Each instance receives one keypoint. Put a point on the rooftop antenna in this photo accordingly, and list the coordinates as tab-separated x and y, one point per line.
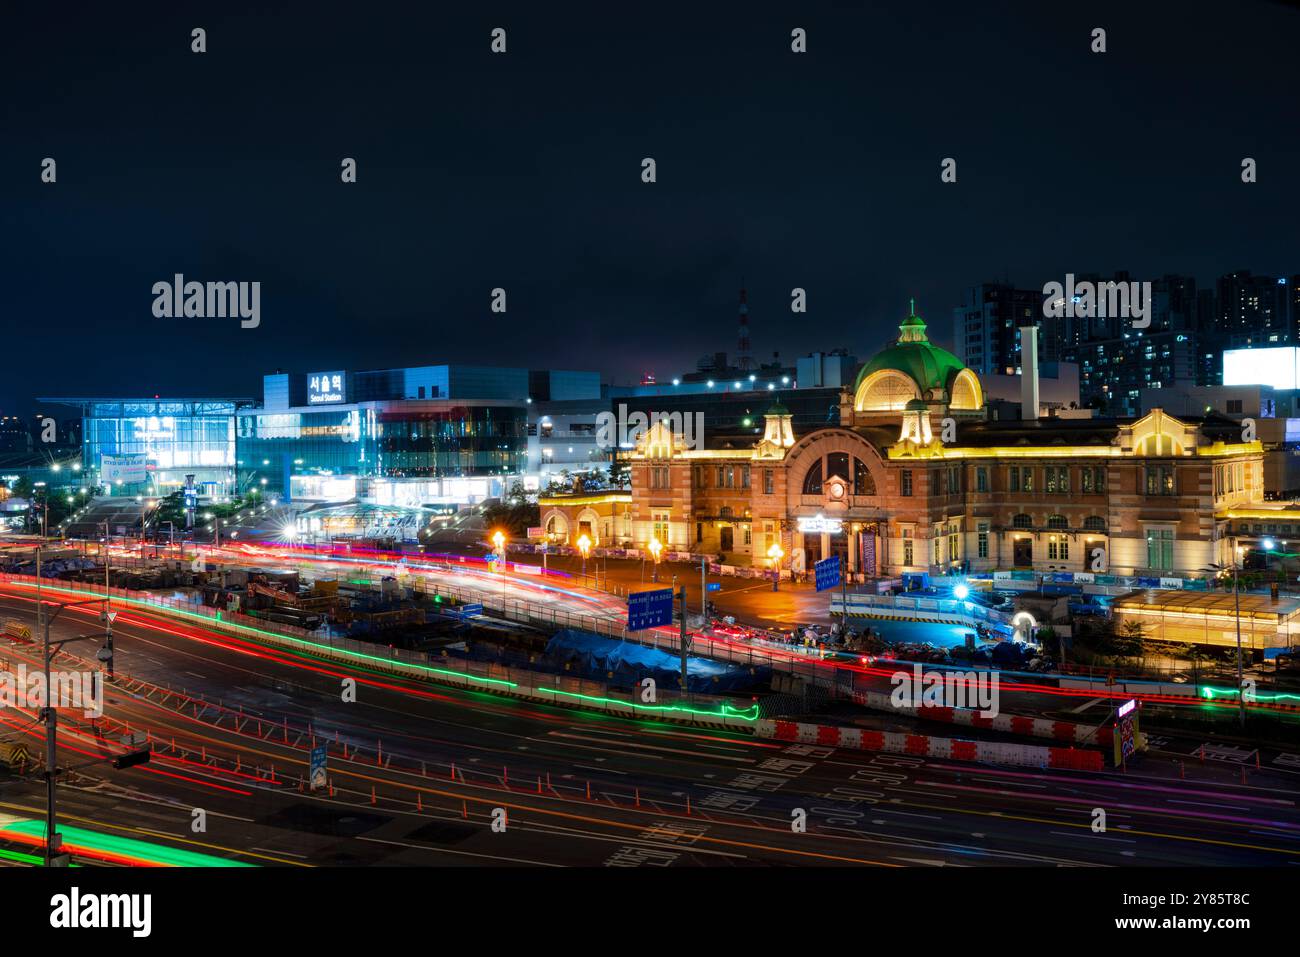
743	360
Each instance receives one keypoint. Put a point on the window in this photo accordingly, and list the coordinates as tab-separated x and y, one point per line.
1160	480
1234	407
1022	521
660	522
769	482
1028	475
938	545
659	477
1013	478
1099	480
747	534
837	463
905	480
863	483
1057	521
1058	548
954	543
1160	548
907	546
744	476
812	482
1062	480
1085	481
1094	523
981	479
954	480
983	540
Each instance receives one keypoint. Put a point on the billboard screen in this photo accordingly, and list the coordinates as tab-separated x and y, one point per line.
1275	367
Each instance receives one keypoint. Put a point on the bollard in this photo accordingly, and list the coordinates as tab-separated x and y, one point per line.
453	770
548	781
505	776
1202	753
1257	760
638	797
464	810
688	805
1182	769
423	772
419	802
237	762
1243	774
588	790
373	799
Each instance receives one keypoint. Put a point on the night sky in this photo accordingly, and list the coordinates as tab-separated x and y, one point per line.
523	171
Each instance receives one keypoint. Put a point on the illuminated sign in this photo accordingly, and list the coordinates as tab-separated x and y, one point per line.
1276	367
1126	707
820	523
326	387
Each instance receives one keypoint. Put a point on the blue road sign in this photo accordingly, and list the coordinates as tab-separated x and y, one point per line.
471	611
317	773
713	586
827	572
649	609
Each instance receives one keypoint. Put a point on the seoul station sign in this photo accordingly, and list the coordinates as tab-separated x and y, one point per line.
324	388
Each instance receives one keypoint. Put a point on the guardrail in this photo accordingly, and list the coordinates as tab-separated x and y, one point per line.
906	606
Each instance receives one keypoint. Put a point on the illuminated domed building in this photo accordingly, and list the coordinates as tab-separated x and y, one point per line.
918	476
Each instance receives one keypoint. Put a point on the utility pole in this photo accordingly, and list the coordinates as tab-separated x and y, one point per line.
1236	601
681	595
704	594
53	843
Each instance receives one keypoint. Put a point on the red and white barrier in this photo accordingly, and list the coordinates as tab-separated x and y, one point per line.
1010	723
922	745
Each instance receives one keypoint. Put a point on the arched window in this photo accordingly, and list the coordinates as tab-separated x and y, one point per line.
724	512
863	483
1022	521
1094	523
812	483
1057	521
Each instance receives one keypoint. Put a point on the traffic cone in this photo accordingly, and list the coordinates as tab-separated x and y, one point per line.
373	799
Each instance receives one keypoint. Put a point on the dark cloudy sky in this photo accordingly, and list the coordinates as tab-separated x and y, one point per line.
523	171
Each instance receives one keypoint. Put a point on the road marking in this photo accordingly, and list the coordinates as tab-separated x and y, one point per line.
1086	705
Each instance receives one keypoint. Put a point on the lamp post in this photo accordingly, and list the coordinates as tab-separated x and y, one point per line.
584	546
776	553
1236	602
499	542
656	547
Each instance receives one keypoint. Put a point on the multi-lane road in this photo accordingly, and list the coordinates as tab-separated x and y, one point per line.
428	774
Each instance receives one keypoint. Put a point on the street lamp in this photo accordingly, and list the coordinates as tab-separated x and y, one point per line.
499	540
776	553
655	547
1236	601
584	546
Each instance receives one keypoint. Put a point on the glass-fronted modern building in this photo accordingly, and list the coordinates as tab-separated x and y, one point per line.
149	446
426	435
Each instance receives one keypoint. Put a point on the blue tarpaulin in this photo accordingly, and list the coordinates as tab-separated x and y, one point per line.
596	656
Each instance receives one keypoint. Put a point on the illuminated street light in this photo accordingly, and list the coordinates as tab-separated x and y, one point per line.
655	547
960	592
776	553
499	540
584	546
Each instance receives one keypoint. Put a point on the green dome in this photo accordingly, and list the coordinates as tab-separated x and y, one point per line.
917	357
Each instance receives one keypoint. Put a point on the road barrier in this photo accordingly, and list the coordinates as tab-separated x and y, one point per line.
971	718
921	608
921	745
